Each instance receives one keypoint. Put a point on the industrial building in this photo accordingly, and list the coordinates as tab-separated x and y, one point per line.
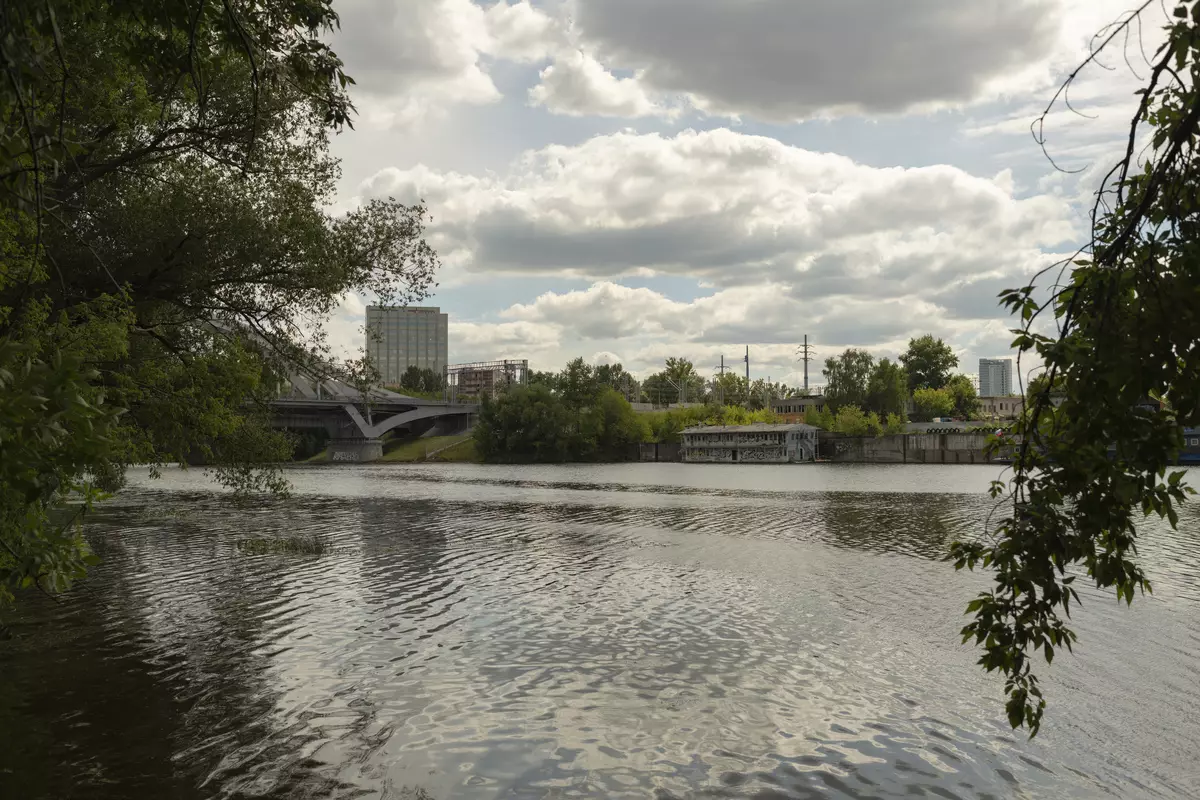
755	444
793	409
399	337
995	377
1001	408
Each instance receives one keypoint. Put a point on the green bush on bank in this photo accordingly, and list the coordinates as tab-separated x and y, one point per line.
535	424
851	421
532	424
665	425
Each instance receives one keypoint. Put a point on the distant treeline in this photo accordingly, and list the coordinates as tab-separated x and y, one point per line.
578	415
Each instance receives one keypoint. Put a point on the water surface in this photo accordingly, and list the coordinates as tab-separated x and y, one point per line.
647	630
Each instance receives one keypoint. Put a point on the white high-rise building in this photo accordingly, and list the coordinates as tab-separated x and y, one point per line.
399	337
995	377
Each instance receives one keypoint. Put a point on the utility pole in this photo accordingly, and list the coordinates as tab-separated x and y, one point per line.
805	352
747	360
680	387
720	385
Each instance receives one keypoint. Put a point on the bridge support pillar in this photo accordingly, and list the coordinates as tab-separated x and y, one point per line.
355	451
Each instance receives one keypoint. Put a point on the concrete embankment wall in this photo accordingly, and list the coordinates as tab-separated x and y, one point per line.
659	451
919	448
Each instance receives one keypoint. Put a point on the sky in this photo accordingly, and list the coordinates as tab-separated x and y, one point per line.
627	180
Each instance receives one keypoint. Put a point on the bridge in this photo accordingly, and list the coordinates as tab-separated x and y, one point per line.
357	422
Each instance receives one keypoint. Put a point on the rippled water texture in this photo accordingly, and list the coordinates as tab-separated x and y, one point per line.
609	631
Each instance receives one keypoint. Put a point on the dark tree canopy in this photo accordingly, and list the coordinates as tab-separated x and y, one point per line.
534	424
167	256
847	377
887	389
931	404
929	362
577	385
1121	326
966	399
677	382
615	376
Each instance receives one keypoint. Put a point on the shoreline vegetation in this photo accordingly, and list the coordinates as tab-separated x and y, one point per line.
583	414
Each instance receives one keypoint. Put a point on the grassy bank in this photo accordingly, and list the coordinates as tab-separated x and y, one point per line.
452	448
457	448
463	451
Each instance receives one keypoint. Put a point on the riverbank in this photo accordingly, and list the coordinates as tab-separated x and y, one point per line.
447	449
911	448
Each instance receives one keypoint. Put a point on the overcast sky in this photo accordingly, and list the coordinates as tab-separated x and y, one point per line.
634	179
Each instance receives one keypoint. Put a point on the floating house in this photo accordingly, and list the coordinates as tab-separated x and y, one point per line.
759	443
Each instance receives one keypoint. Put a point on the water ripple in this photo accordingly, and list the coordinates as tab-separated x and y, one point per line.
584	632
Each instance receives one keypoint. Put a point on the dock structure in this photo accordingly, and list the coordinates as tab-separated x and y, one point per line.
758	443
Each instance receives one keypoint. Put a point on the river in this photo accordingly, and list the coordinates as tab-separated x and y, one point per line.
608	631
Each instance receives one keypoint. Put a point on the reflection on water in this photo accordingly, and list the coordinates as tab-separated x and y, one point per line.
608	631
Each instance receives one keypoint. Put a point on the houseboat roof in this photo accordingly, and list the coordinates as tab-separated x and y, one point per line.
755	427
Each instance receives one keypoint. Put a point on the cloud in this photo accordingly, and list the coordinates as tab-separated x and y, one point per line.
735	210
1089	120
556	327
523	33
415	59
763	314
779	60
577	84
773	60
481	341
777	241
411	58
604	311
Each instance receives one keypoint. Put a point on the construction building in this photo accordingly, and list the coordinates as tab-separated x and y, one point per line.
754	444
399	337
485	378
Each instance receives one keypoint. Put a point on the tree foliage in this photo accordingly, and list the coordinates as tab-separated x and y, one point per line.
532	424
421	379
847	377
966	399
928	361
666	425
887	389
547	379
853	421
729	388
525	424
616	377
1123	327
764	392
931	403
167	256
678	382
577	386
